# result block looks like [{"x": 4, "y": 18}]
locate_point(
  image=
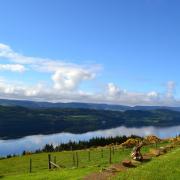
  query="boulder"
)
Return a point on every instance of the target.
[{"x": 127, "y": 163}]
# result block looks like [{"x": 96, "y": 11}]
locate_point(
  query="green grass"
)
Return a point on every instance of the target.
[
  {"x": 18, "y": 167},
  {"x": 165, "y": 167},
  {"x": 65, "y": 174}
]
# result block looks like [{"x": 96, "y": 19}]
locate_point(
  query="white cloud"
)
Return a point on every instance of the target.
[
  {"x": 153, "y": 94},
  {"x": 116, "y": 95},
  {"x": 33, "y": 91},
  {"x": 41, "y": 92},
  {"x": 12, "y": 67},
  {"x": 112, "y": 89},
  {"x": 8, "y": 53},
  {"x": 70, "y": 78},
  {"x": 171, "y": 85},
  {"x": 66, "y": 78}
]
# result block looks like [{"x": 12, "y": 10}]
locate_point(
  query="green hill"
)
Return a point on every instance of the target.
[
  {"x": 19, "y": 121},
  {"x": 163, "y": 167},
  {"x": 166, "y": 167}
]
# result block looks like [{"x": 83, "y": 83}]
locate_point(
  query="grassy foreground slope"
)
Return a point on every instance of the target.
[
  {"x": 18, "y": 167},
  {"x": 165, "y": 167},
  {"x": 70, "y": 174}
]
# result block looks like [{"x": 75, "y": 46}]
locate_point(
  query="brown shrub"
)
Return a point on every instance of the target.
[
  {"x": 130, "y": 143},
  {"x": 151, "y": 139}
]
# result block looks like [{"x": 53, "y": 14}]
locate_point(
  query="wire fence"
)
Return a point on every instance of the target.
[{"x": 101, "y": 157}]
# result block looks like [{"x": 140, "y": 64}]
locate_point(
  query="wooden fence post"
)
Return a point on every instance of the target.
[
  {"x": 30, "y": 165},
  {"x": 110, "y": 157},
  {"x": 73, "y": 159},
  {"x": 89, "y": 155},
  {"x": 77, "y": 159},
  {"x": 113, "y": 150},
  {"x": 102, "y": 153},
  {"x": 49, "y": 161}
]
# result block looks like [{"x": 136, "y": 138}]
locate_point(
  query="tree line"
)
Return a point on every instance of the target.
[{"x": 92, "y": 143}]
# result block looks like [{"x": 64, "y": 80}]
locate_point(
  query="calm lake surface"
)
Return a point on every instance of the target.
[{"x": 32, "y": 143}]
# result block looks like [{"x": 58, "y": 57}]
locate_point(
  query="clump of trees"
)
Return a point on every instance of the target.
[
  {"x": 131, "y": 142},
  {"x": 92, "y": 143},
  {"x": 152, "y": 139}
]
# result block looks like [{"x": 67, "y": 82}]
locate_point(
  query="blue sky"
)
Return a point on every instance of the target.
[{"x": 123, "y": 52}]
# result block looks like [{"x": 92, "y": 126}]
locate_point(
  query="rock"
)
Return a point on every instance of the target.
[
  {"x": 163, "y": 150},
  {"x": 127, "y": 163},
  {"x": 155, "y": 152},
  {"x": 158, "y": 152}
]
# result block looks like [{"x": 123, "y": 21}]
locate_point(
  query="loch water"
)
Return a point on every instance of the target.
[{"x": 32, "y": 143}]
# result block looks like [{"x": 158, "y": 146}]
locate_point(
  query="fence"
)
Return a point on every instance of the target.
[
  {"x": 66, "y": 159},
  {"x": 77, "y": 159}
]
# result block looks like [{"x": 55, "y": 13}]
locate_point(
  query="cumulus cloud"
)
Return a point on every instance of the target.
[
  {"x": 171, "y": 85},
  {"x": 112, "y": 89},
  {"x": 66, "y": 79},
  {"x": 113, "y": 95},
  {"x": 66, "y": 76},
  {"x": 153, "y": 94},
  {"x": 70, "y": 78}
]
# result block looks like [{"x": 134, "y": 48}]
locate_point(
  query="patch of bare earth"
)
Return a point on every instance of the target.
[
  {"x": 107, "y": 173},
  {"x": 112, "y": 170}
]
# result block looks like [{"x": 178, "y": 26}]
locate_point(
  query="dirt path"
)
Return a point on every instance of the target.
[
  {"x": 112, "y": 170},
  {"x": 106, "y": 173}
]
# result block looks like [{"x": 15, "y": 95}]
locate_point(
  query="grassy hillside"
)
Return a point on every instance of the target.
[
  {"x": 18, "y": 121},
  {"x": 166, "y": 167},
  {"x": 18, "y": 167}
]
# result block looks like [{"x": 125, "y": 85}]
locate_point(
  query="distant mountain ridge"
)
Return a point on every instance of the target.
[{"x": 113, "y": 107}]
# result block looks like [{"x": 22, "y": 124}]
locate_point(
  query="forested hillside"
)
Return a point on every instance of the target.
[{"x": 19, "y": 121}]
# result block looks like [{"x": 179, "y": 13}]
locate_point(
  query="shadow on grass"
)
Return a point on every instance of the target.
[
  {"x": 145, "y": 160},
  {"x": 1, "y": 177}
]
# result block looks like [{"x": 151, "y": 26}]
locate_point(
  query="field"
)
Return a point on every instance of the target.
[
  {"x": 166, "y": 167},
  {"x": 20, "y": 165},
  {"x": 89, "y": 161}
]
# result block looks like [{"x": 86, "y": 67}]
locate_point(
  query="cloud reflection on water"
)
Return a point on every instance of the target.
[{"x": 31, "y": 143}]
